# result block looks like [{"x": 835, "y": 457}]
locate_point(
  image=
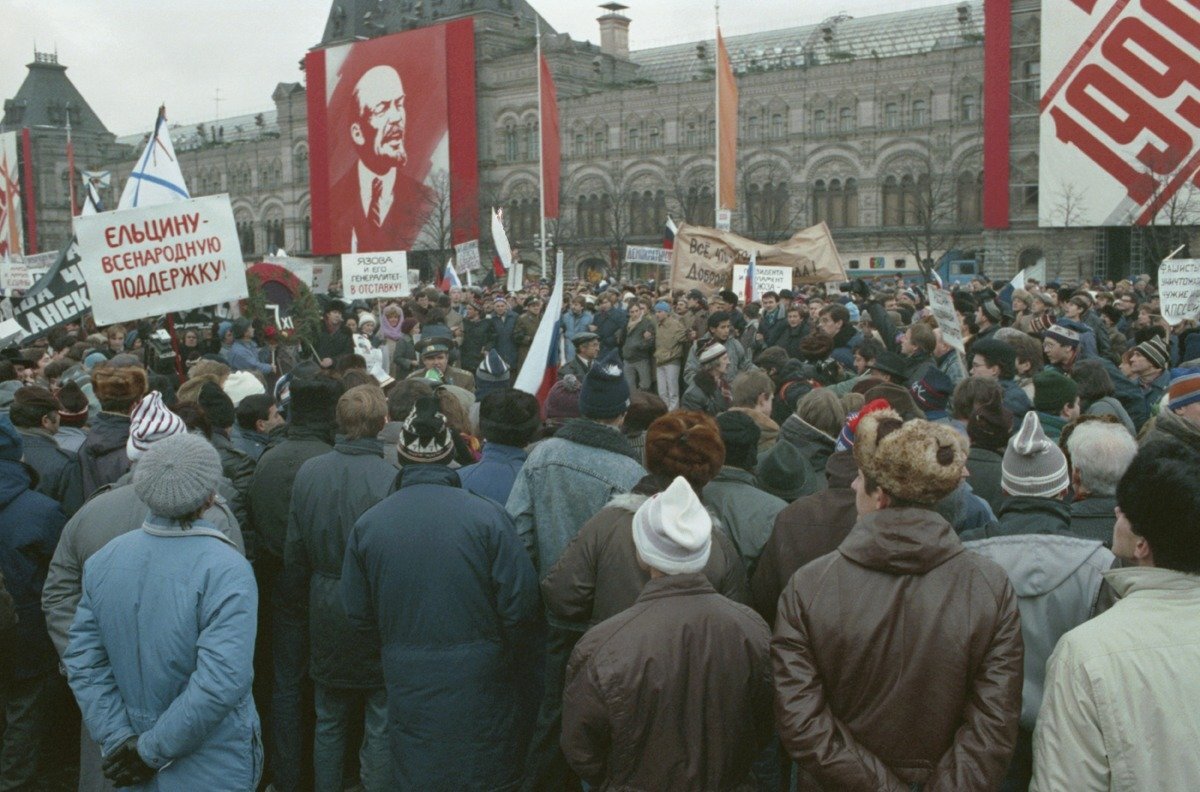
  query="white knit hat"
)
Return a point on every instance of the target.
[
  {"x": 150, "y": 422},
  {"x": 672, "y": 531},
  {"x": 1033, "y": 465},
  {"x": 241, "y": 384}
]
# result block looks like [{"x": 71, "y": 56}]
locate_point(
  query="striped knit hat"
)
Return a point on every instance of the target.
[
  {"x": 1033, "y": 466},
  {"x": 1154, "y": 350},
  {"x": 1184, "y": 388},
  {"x": 150, "y": 422}
]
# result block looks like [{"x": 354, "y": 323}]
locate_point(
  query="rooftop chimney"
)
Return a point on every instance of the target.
[{"x": 614, "y": 31}]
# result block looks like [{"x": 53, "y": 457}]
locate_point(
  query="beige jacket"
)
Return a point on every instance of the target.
[
  {"x": 1123, "y": 693},
  {"x": 670, "y": 341}
]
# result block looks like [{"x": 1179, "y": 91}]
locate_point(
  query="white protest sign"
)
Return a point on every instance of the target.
[
  {"x": 638, "y": 254},
  {"x": 161, "y": 259},
  {"x": 765, "y": 279},
  {"x": 466, "y": 256},
  {"x": 375, "y": 276},
  {"x": 322, "y": 278},
  {"x": 19, "y": 275},
  {"x": 724, "y": 219},
  {"x": 942, "y": 305},
  {"x": 1179, "y": 289}
]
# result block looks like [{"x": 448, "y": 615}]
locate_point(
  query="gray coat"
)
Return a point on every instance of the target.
[
  {"x": 739, "y": 360},
  {"x": 110, "y": 513},
  {"x": 330, "y": 493},
  {"x": 747, "y": 512}
]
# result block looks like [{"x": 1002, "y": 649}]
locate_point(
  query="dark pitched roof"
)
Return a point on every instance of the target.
[
  {"x": 45, "y": 98},
  {"x": 372, "y": 18}
]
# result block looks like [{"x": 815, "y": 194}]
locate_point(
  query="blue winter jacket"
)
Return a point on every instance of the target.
[
  {"x": 162, "y": 647},
  {"x": 502, "y": 329},
  {"x": 574, "y": 325},
  {"x": 441, "y": 574},
  {"x": 243, "y": 356},
  {"x": 30, "y": 524},
  {"x": 495, "y": 473}
]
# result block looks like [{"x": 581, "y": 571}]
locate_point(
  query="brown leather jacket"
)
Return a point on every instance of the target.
[
  {"x": 598, "y": 575},
  {"x": 898, "y": 660},
  {"x": 673, "y": 693},
  {"x": 806, "y": 530}
]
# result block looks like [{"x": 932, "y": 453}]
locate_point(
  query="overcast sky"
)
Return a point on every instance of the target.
[{"x": 127, "y": 56}]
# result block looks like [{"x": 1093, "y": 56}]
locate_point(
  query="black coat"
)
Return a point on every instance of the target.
[{"x": 477, "y": 337}]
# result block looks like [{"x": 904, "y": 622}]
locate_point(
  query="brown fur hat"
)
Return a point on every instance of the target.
[
  {"x": 685, "y": 443},
  {"x": 914, "y": 461},
  {"x": 118, "y": 387}
]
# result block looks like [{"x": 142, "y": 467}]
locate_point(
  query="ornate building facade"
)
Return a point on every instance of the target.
[{"x": 874, "y": 125}]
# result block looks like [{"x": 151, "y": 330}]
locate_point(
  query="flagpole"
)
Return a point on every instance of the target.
[
  {"x": 70, "y": 161},
  {"x": 541, "y": 148},
  {"x": 717, "y": 124}
]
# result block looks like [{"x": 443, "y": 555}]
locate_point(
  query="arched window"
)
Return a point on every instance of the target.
[
  {"x": 968, "y": 108},
  {"x": 891, "y": 115},
  {"x": 530, "y": 143},
  {"x": 970, "y": 199},
  {"x": 920, "y": 112},
  {"x": 777, "y": 126},
  {"x": 690, "y": 137},
  {"x": 306, "y": 233},
  {"x": 599, "y": 142},
  {"x": 635, "y": 138},
  {"x": 655, "y": 138},
  {"x": 580, "y": 145},
  {"x": 908, "y": 192},
  {"x": 300, "y": 165},
  {"x": 819, "y": 122},
  {"x": 710, "y": 132},
  {"x": 510, "y": 143},
  {"x": 850, "y": 203},
  {"x": 820, "y": 202},
  {"x": 753, "y": 128},
  {"x": 893, "y": 206},
  {"x": 846, "y": 119}
]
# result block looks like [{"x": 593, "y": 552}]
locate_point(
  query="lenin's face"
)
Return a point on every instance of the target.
[{"x": 378, "y": 133}]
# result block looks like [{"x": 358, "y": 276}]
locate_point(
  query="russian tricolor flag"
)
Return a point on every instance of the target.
[
  {"x": 751, "y": 276},
  {"x": 535, "y": 379},
  {"x": 450, "y": 278},
  {"x": 669, "y": 234}
]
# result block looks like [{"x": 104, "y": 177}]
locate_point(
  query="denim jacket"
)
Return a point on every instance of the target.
[{"x": 565, "y": 482}]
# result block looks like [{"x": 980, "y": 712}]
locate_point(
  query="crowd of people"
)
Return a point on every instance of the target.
[{"x": 798, "y": 543}]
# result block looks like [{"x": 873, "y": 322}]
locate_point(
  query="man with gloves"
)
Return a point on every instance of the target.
[{"x": 165, "y": 690}]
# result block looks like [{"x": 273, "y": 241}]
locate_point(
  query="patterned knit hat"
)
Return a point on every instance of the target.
[
  {"x": 492, "y": 375},
  {"x": 1063, "y": 335},
  {"x": 177, "y": 475},
  {"x": 845, "y": 441},
  {"x": 1033, "y": 466},
  {"x": 425, "y": 439},
  {"x": 1154, "y": 350},
  {"x": 150, "y": 422},
  {"x": 1184, "y": 388},
  {"x": 932, "y": 393},
  {"x": 605, "y": 392},
  {"x": 562, "y": 402}
]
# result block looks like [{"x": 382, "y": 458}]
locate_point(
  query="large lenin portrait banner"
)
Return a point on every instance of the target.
[
  {"x": 392, "y": 152},
  {"x": 1120, "y": 111}
]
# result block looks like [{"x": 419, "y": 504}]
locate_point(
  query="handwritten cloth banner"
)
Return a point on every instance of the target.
[
  {"x": 161, "y": 259},
  {"x": 1179, "y": 289},
  {"x": 375, "y": 276},
  {"x": 704, "y": 258}
]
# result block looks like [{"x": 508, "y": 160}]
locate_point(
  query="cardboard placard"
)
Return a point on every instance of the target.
[{"x": 942, "y": 305}]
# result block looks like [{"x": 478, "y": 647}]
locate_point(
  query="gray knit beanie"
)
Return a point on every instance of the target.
[
  {"x": 1033, "y": 465},
  {"x": 175, "y": 476}
]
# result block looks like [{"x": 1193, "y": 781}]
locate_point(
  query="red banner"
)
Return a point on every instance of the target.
[
  {"x": 551, "y": 153},
  {"x": 392, "y": 150}
]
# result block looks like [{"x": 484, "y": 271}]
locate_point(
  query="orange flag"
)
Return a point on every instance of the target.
[{"x": 727, "y": 123}]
